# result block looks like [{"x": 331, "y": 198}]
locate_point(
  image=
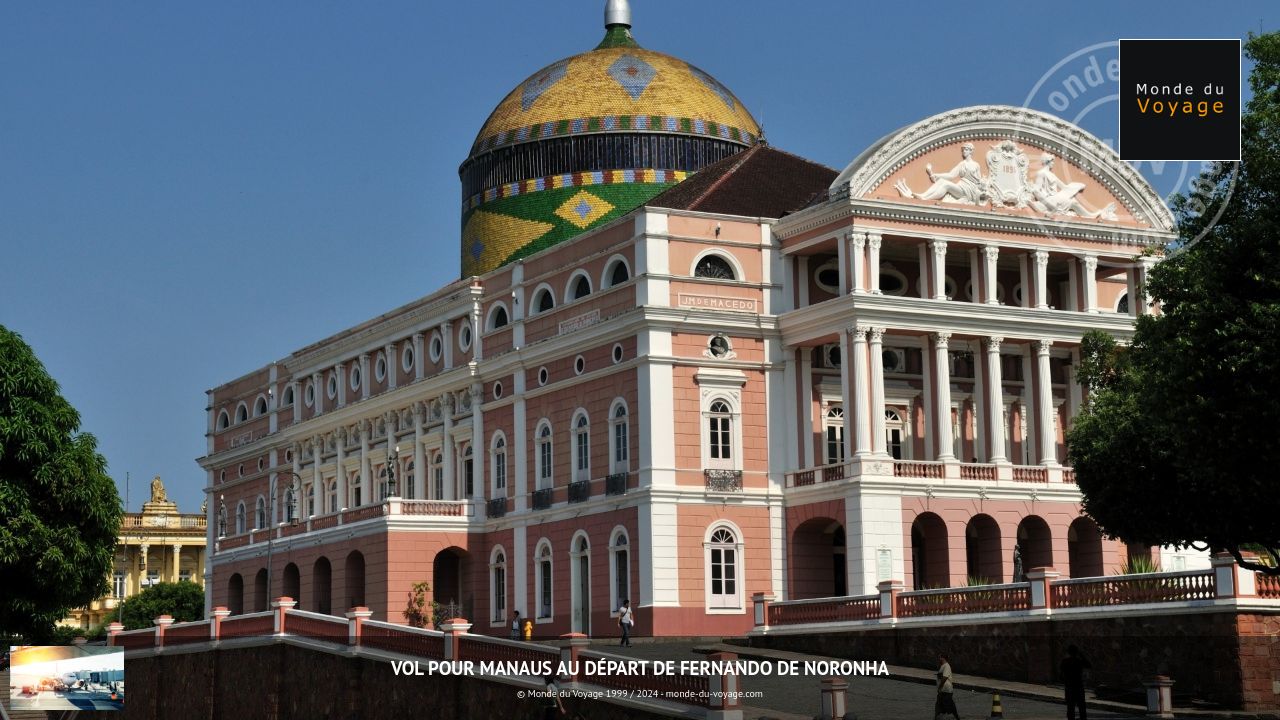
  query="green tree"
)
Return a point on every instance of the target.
[
  {"x": 183, "y": 601},
  {"x": 59, "y": 511},
  {"x": 1178, "y": 444}
]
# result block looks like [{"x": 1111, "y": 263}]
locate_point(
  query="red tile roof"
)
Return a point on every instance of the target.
[{"x": 757, "y": 182}]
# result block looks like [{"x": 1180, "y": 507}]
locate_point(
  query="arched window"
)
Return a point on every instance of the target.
[
  {"x": 619, "y": 570},
  {"x": 499, "y": 464},
  {"x": 1122, "y": 305},
  {"x": 311, "y": 500},
  {"x": 714, "y": 267},
  {"x": 242, "y": 413},
  {"x": 357, "y": 490},
  {"x": 723, "y": 561},
  {"x": 468, "y": 473},
  {"x": 437, "y": 476},
  {"x": 498, "y": 585},
  {"x": 543, "y": 580},
  {"x": 410, "y": 482},
  {"x": 617, "y": 273},
  {"x": 620, "y": 453},
  {"x": 720, "y": 434},
  {"x": 544, "y": 456},
  {"x": 241, "y": 520},
  {"x": 498, "y": 317},
  {"x": 333, "y": 496},
  {"x": 895, "y": 431},
  {"x": 224, "y": 420},
  {"x": 579, "y": 287},
  {"x": 260, "y": 515},
  {"x": 581, "y": 448},
  {"x": 290, "y": 498},
  {"x": 260, "y": 406},
  {"x": 288, "y": 395},
  {"x": 543, "y": 301},
  {"x": 834, "y": 432}
]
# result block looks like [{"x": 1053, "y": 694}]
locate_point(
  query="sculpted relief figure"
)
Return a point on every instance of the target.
[
  {"x": 964, "y": 184},
  {"x": 1056, "y": 197}
]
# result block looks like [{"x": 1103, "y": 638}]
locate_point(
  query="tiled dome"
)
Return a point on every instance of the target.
[{"x": 587, "y": 139}]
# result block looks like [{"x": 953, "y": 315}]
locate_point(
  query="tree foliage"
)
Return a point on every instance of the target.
[
  {"x": 59, "y": 511},
  {"x": 183, "y": 601},
  {"x": 1179, "y": 441}
]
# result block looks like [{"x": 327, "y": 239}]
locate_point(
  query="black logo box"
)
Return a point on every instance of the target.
[{"x": 1155, "y": 74}]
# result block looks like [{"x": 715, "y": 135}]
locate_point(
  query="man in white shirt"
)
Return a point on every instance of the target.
[
  {"x": 625, "y": 620},
  {"x": 946, "y": 702}
]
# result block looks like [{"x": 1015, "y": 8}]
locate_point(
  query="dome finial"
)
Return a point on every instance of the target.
[{"x": 617, "y": 12}]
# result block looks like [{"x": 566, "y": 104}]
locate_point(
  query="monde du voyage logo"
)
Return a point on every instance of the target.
[{"x": 1180, "y": 100}]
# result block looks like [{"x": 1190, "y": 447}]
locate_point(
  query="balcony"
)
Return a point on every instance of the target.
[
  {"x": 616, "y": 484},
  {"x": 495, "y": 507},
  {"x": 579, "y": 491},
  {"x": 931, "y": 471},
  {"x": 542, "y": 499},
  {"x": 723, "y": 481},
  {"x": 458, "y": 511}
]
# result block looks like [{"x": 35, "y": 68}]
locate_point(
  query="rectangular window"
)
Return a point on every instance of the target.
[
  {"x": 622, "y": 587},
  {"x": 720, "y": 438},
  {"x": 499, "y": 593},
  {"x": 468, "y": 474},
  {"x": 117, "y": 585},
  {"x": 620, "y": 444},
  {"x": 153, "y": 578},
  {"x": 544, "y": 605},
  {"x": 500, "y": 470},
  {"x": 439, "y": 482},
  {"x": 544, "y": 465}
]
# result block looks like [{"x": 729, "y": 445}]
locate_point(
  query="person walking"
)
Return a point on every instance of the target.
[
  {"x": 1073, "y": 670},
  {"x": 625, "y": 620},
  {"x": 946, "y": 702},
  {"x": 515, "y": 625}
]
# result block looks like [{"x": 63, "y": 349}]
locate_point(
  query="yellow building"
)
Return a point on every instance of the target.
[{"x": 156, "y": 545}]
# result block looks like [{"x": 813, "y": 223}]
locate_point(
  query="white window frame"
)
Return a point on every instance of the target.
[
  {"x": 580, "y": 431},
  {"x": 573, "y": 280},
  {"x": 435, "y": 346},
  {"x": 615, "y": 548},
  {"x": 619, "y": 437},
  {"x": 242, "y": 518},
  {"x": 543, "y": 553},
  {"x": 260, "y": 513},
  {"x": 533, "y": 299},
  {"x": 544, "y": 458},
  {"x": 491, "y": 317},
  {"x": 437, "y": 473},
  {"x": 606, "y": 277},
  {"x": 734, "y": 418},
  {"x": 332, "y": 495},
  {"x": 724, "y": 603},
  {"x": 355, "y": 491},
  {"x": 242, "y": 413},
  {"x": 833, "y": 431},
  {"x": 498, "y": 465},
  {"x": 224, "y": 420},
  {"x": 119, "y": 585},
  {"x": 498, "y": 577},
  {"x": 723, "y": 254}
]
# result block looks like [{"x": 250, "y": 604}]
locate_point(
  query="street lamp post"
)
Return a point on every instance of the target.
[{"x": 272, "y": 525}]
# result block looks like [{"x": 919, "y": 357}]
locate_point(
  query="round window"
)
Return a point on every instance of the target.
[
  {"x": 355, "y": 378},
  {"x": 833, "y": 356},
  {"x": 406, "y": 358},
  {"x": 579, "y": 365},
  {"x": 380, "y": 368},
  {"x": 437, "y": 348},
  {"x": 464, "y": 338},
  {"x": 617, "y": 353},
  {"x": 333, "y": 386},
  {"x": 497, "y": 390},
  {"x": 892, "y": 282},
  {"x": 542, "y": 376},
  {"x": 827, "y": 276},
  {"x": 309, "y": 395}
]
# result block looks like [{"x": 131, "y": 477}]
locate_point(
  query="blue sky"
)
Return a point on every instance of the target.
[{"x": 189, "y": 191}]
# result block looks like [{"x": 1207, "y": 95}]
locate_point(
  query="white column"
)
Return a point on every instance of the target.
[
  {"x": 990, "y": 255},
  {"x": 297, "y": 401},
  {"x": 322, "y": 497},
  {"x": 419, "y": 455},
  {"x": 857, "y": 248},
  {"x": 923, "y": 256},
  {"x": 478, "y": 445},
  {"x": 365, "y": 378},
  {"x": 978, "y": 402},
  {"x": 942, "y": 424},
  {"x": 1089, "y": 265},
  {"x": 1144, "y": 299},
  {"x": 877, "y": 391},
  {"x": 1027, "y": 409},
  {"x": 477, "y": 344},
  {"x": 446, "y": 337},
  {"x": 177, "y": 556},
  {"x": 366, "y": 474},
  {"x": 1044, "y": 402},
  {"x": 805, "y": 417},
  {"x": 446, "y": 446},
  {"x": 842, "y": 264},
  {"x": 340, "y": 376},
  {"x": 995, "y": 400},
  {"x": 848, "y": 401},
  {"x": 1131, "y": 281},
  {"x": 939, "y": 248},
  {"x": 929, "y": 400},
  {"x": 975, "y": 274},
  {"x": 1042, "y": 279},
  {"x": 861, "y": 382},
  {"x": 418, "y": 365},
  {"x": 340, "y": 442},
  {"x": 873, "y": 261},
  {"x": 317, "y": 391},
  {"x": 1073, "y": 286},
  {"x": 393, "y": 365}
]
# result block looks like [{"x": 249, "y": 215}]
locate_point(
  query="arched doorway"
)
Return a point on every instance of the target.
[
  {"x": 447, "y": 579},
  {"x": 260, "y": 591},
  {"x": 322, "y": 586},
  {"x": 818, "y": 560},
  {"x": 580, "y": 564},
  {"x": 355, "y": 579},
  {"x": 235, "y": 594},
  {"x": 982, "y": 550},
  {"x": 292, "y": 584},
  {"x": 1035, "y": 543},
  {"x": 930, "y": 565},
  {"x": 1084, "y": 548}
]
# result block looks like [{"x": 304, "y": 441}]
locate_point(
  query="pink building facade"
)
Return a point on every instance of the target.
[{"x": 852, "y": 377}]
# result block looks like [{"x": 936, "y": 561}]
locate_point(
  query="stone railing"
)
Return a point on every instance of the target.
[
  {"x": 1139, "y": 588},
  {"x": 388, "y": 507},
  {"x": 260, "y": 623},
  {"x": 724, "y": 481},
  {"x": 975, "y": 471},
  {"x": 480, "y": 649},
  {"x": 438, "y": 508},
  {"x": 643, "y": 684},
  {"x": 919, "y": 469},
  {"x": 318, "y": 626},
  {"x": 185, "y": 633},
  {"x": 1030, "y": 473},
  {"x": 1043, "y": 593},
  {"x": 1068, "y": 475},
  {"x": 402, "y": 639}
]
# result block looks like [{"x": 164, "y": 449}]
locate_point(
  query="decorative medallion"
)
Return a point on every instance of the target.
[
  {"x": 540, "y": 83},
  {"x": 633, "y": 74},
  {"x": 583, "y": 209}
]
